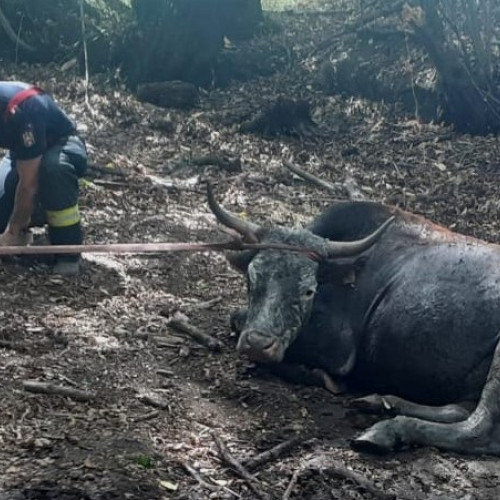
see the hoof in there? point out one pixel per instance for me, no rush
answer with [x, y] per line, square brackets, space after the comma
[378, 439]
[374, 403]
[328, 383]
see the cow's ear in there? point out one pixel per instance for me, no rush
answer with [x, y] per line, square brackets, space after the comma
[337, 270]
[241, 260]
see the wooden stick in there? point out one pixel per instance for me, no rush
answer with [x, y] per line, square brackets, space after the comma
[151, 401]
[196, 475]
[311, 178]
[181, 323]
[344, 473]
[228, 458]
[109, 248]
[59, 390]
[147, 416]
[138, 248]
[271, 454]
[291, 485]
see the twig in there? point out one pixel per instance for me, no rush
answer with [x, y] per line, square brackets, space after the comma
[197, 476]
[311, 178]
[85, 58]
[349, 185]
[59, 390]
[148, 416]
[272, 453]
[181, 323]
[291, 484]
[338, 470]
[106, 171]
[110, 184]
[207, 304]
[228, 458]
[155, 403]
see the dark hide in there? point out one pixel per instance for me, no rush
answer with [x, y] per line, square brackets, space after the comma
[416, 316]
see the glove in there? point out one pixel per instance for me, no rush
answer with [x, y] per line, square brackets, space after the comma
[8, 239]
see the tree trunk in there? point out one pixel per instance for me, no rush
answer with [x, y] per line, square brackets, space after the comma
[468, 104]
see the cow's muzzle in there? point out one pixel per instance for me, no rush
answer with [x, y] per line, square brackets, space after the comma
[260, 347]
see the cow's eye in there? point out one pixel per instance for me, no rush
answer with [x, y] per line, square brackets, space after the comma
[310, 293]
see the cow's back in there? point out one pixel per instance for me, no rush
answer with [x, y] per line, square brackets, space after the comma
[350, 220]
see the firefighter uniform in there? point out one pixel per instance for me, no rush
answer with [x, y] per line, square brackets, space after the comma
[33, 125]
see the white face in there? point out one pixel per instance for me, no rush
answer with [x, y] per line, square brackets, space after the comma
[281, 290]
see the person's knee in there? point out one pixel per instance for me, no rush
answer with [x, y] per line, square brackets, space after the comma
[57, 185]
[76, 153]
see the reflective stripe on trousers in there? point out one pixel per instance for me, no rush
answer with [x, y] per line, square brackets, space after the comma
[63, 218]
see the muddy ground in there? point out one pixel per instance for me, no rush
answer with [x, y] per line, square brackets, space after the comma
[106, 332]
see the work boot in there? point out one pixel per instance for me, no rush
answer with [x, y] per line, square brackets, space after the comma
[66, 265]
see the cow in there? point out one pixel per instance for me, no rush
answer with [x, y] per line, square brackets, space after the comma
[386, 302]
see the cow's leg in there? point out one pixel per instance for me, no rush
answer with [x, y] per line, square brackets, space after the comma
[392, 405]
[301, 375]
[480, 433]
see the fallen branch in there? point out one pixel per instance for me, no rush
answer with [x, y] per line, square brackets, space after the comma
[272, 453]
[148, 416]
[93, 169]
[181, 323]
[291, 484]
[228, 458]
[338, 470]
[155, 403]
[110, 184]
[349, 186]
[197, 476]
[312, 178]
[205, 305]
[59, 390]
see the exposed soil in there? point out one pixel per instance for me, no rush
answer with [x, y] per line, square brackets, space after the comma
[106, 332]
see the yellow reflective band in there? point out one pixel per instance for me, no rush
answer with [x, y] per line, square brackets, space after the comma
[63, 218]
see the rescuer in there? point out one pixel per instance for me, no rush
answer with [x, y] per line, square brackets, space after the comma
[39, 174]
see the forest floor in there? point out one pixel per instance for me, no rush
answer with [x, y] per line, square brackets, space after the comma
[106, 332]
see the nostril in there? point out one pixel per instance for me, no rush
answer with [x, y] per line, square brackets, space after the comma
[256, 340]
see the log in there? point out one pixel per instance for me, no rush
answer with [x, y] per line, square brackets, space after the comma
[284, 117]
[59, 390]
[170, 94]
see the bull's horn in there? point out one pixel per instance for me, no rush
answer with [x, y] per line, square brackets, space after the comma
[350, 248]
[248, 230]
